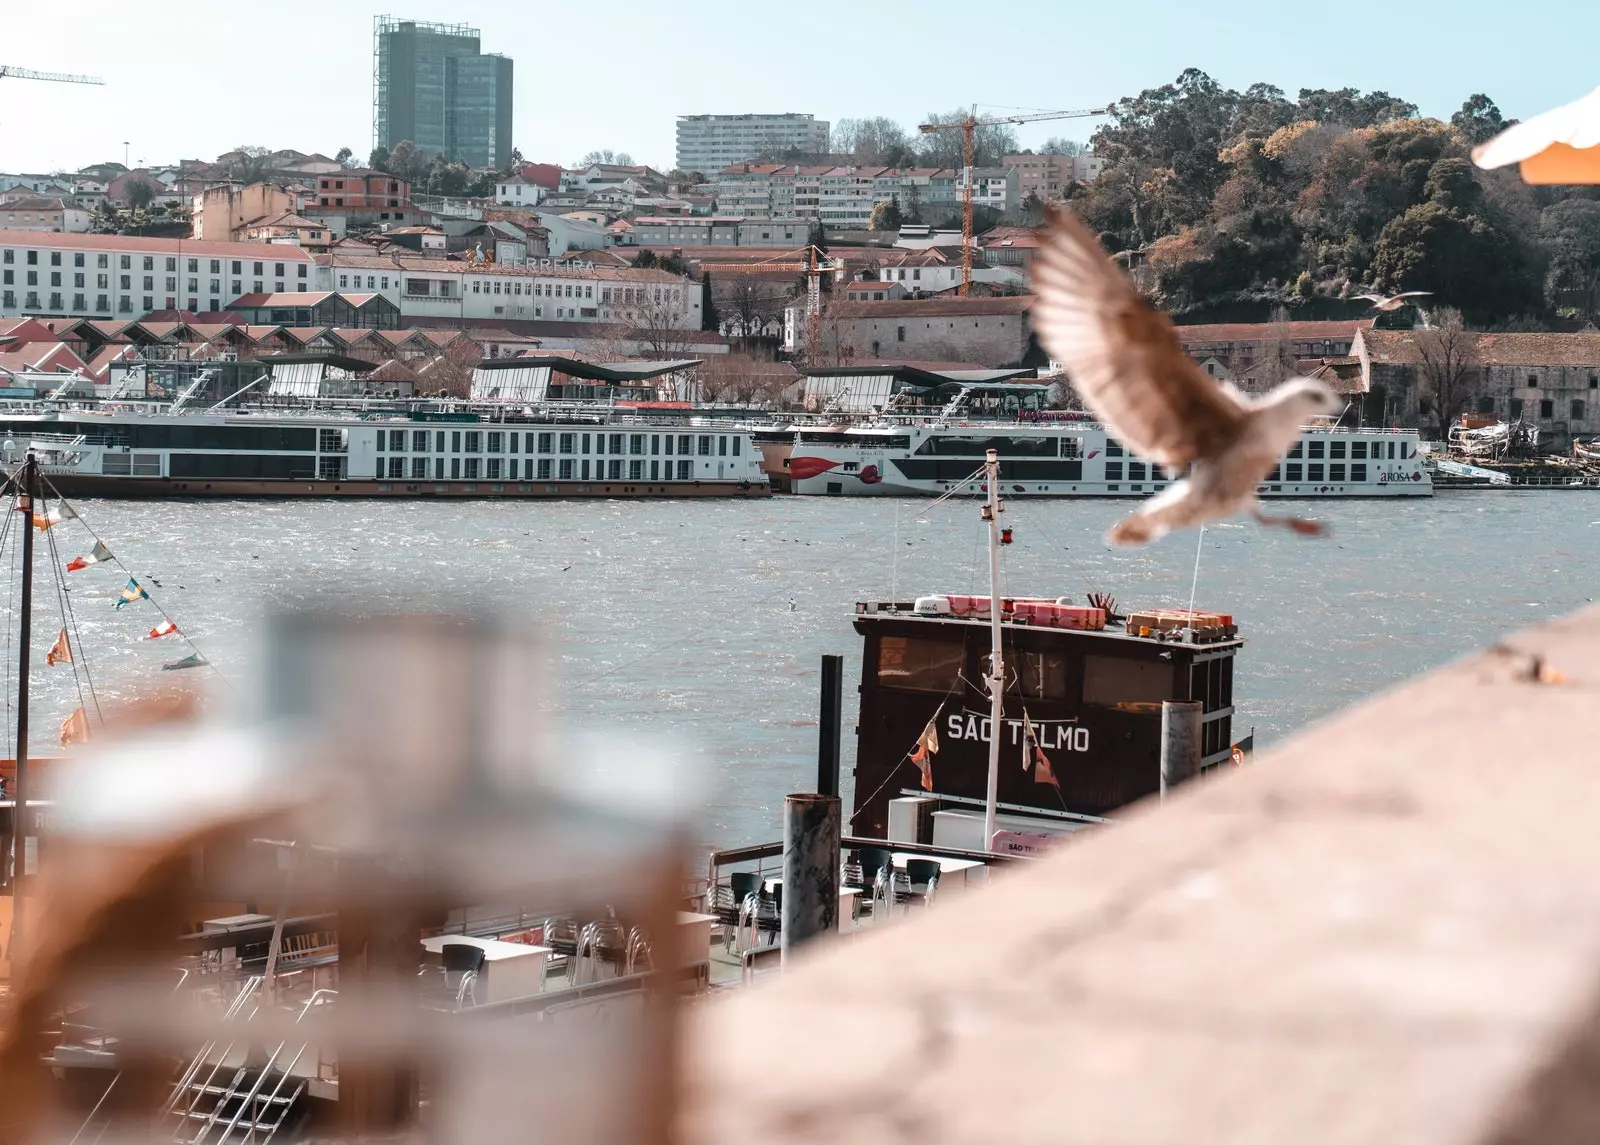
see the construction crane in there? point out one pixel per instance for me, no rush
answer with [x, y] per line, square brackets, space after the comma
[810, 261]
[967, 126]
[51, 77]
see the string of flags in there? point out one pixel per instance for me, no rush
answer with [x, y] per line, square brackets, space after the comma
[927, 747]
[75, 728]
[1033, 755]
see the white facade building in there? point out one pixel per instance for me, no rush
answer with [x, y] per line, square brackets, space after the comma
[710, 143]
[518, 192]
[121, 276]
[538, 290]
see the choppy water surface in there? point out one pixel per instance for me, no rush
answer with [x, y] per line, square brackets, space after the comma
[701, 623]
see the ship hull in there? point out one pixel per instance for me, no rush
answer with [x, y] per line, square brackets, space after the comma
[164, 488]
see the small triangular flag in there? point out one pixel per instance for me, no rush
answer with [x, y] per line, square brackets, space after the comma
[195, 660]
[60, 652]
[165, 628]
[134, 591]
[927, 747]
[96, 556]
[74, 729]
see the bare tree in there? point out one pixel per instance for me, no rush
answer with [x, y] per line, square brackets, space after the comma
[1060, 145]
[1446, 355]
[621, 158]
[450, 371]
[656, 319]
[944, 148]
[876, 140]
[750, 305]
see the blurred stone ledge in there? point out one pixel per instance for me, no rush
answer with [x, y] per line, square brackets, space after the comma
[1386, 929]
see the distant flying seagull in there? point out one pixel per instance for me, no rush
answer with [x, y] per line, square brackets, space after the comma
[1131, 370]
[1393, 301]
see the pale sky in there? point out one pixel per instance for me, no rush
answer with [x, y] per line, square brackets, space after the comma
[194, 78]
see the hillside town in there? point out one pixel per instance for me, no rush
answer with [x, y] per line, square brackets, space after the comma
[781, 241]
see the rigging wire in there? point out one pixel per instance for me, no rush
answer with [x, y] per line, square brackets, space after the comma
[178, 631]
[69, 619]
[11, 579]
[1194, 585]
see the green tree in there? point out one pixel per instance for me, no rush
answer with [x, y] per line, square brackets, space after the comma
[1570, 231]
[343, 156]
[1349, 108]
[379, 159]
[141, 193]
[1032, 210]
[1465, 259]
[885, 216]
[1479, 119]
[817, 235]
[646, 259]
[405, 162]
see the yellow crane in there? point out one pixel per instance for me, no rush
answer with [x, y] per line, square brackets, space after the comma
[967, 126]
[51, 77]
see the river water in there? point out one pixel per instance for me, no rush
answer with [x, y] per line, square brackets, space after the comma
[700, 624]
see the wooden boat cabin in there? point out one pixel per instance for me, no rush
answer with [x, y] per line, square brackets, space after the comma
[1090, 693]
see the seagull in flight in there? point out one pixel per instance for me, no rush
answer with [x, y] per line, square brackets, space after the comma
[1393, 301]
[1131, 370]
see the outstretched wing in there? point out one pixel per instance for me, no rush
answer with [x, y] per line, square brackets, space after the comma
[1123, 355]
[1413, 294]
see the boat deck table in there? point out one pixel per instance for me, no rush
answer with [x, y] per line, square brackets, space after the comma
[510, 969]
[955, 875]
[849, 902]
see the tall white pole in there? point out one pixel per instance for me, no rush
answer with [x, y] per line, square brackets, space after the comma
[997, 679]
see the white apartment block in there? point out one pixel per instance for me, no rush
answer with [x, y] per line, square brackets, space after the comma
[712, 142]
[120, 276]
[843, 197]
[539, 290]
[518, 192]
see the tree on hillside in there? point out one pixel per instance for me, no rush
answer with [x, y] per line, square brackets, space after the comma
[870, 141]
[620, 158]
[1479, 119]
[885, 216]
[1571, 233]
[1060, 145]
[1453, 246]
[249, 164]
[406, 162]
[1445, 359]
[1032, 210]
[1349, 108]
[378, 160]
[141, 193]
[343, 156]
[752, 305]
[990, 143]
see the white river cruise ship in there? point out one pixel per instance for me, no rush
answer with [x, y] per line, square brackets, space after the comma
[1064, 459]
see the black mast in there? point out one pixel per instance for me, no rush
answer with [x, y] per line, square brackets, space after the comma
[28, 484]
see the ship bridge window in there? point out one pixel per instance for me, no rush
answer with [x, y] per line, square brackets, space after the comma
[1116, 681]
[919, 664]
[1358, 451]
[1039, 675]
[1071, 447]
[1113, 448]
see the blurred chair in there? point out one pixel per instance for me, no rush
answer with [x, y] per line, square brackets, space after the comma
[463, 963]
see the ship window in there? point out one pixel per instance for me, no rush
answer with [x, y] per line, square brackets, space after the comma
[685, 470]
[1295, 449]
[544, 442]
[1136, 471]
[685, 445]
[1113, 471]
[1314, 449]
[1040, 675]
[1336, 450]
[493, 467]
[1314, 472]
[455, 441]
[918, 664]
[1114, 681]
[471, 469]
[736, 445]
[635, 471]
[1293, 471]
[397, 440]
[655, 444]
[419, 441]
[474, 441]
[585, 443]
[636, 443]
[565, 472]
[616, 442]
[1358, 450]
[1113, 448]
[613, 470]
[544, 469]
[438, 444]
[1274, 475]
[496, 441]
[419, 469]
[1358, 472]
[1336, 472]
[705, 445]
